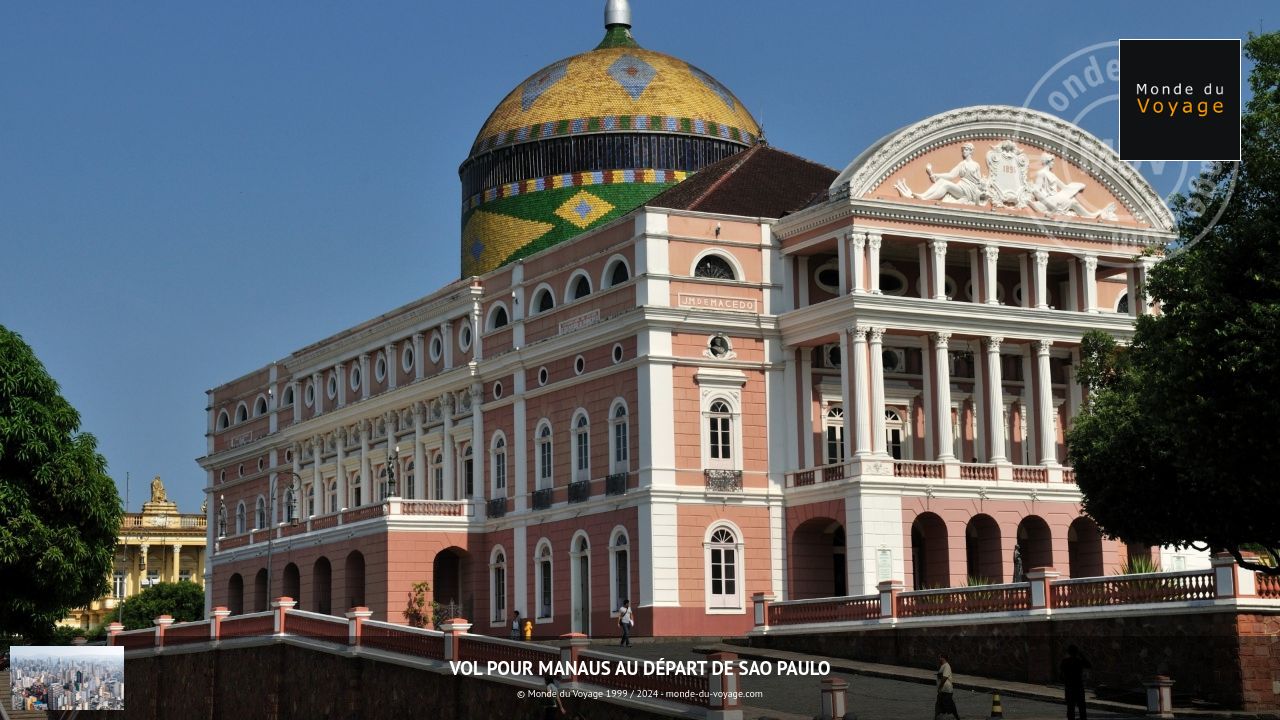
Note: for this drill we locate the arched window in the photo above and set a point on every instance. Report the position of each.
(543, 580)
(544, 456)
(895, 431)
(242, 413)
(437, 476)
(468, 473)
(579, 287)
(241, 520)
(617, 273)
(333, 496)
(260, 515)
(581, 448)
(620, 452)
(1122, 305)
(224, 420)
(543, 301)
(498, 584)
(498, 317)
(720, 434)
(260, 407)
(288, 394)
(290, 497)
(311, 500)
(410, 481)
(714, 267)
(499, 464)
(723, 561)
(619, 570)
(834, 432)
(381, 487)
(357, 490)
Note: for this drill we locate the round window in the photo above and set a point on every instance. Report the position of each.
(464, 338)
(617, 353)
(579, 365)
(437, 348)
(309, 395)
(497, 390)
(542, 376)
(333, 386)
(355, 378)
(827, 276)
(406, 358)
(833, 356)
(892, 282)
(380, 368)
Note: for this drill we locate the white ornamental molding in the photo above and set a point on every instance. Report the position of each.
(1011, 125)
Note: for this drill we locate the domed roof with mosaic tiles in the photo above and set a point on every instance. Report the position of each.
(588, 139)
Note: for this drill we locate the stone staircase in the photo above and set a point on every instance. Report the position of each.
(6, 710)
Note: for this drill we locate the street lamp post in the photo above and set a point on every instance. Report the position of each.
(272, 525)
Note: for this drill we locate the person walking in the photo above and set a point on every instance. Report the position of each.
(946, 702)
(626, 619)
(1073, 670)
(515, 625)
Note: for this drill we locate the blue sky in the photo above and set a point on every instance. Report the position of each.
(189, 191)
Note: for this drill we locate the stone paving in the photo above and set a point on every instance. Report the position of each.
(870, 698)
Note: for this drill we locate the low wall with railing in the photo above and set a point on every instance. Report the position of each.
(1213, 631)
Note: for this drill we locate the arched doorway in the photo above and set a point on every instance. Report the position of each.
(1084, 548)
(1035, 543)
(982, 550)
(260, 591)
(355, 579)
(235, 594)
(580, 564)
(447, 579)
(930, 565)
(292, 584)
(322, 586)
(818, 560)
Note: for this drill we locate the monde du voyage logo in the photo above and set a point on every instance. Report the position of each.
(1180, 100)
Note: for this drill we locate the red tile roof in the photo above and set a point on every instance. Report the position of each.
(757, 182)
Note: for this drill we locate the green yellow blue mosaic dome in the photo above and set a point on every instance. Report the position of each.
(588, 139)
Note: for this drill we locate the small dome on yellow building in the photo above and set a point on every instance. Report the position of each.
(587, 139)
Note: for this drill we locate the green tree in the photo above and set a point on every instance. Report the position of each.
(1178, 444)
(183, 601)
(59, 511)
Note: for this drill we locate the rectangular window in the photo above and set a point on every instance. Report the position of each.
(499, 593)
(500, 470)
(720, 438)
(544, 465)
(620, 444)
(468, 475)
(835, 444)
(544, 606)
(439, 482)
(117, 585)
(622, 577)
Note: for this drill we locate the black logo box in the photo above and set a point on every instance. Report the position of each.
(1155, 74)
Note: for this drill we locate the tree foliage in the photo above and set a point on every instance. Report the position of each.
(1179, 441)
(59, 511)
(183, 601)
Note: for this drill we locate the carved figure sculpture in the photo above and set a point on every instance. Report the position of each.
(964, 184)
(157, 491)
(1056, 197)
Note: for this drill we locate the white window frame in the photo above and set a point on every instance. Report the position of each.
(260, 513)
(544, 554)
(119, 585)
(544, 458)
(734, 418)
(580, 431)
(491, 317)
(242, 518)
(498, 465)
(355, 491)
(224, 420)
(606, 277)
(619, 437)
(498, 576)
(437, 473)
(435, 346)
(833, 432)
(724, 603)
(332, 495)
(615, 548)
(573, 280)
(738, 274)
(533, 299)
(242, 413)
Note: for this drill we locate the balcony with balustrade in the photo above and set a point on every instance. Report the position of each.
(931, 471)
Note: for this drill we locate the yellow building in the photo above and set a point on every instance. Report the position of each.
(156, 545)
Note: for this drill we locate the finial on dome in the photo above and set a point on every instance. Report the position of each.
(617, 12)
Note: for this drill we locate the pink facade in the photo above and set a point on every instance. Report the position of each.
(684, 407)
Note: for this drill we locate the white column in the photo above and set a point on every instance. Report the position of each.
(804, 418)
(1131, 282)
(990, 255)
(942, 424)
(978, 402)
(995, 400)
(1144, 299)
(857, 248)
(419, 454)
(1027, 409)
(418, 365)
(322, 496)
(1042, 279)
(873, 261)
(1075, 395)
(1089, 265)
(848, 401)
(1024, 278)
(366, 474)
(446, 337)
(1044, 402)
(177, 555)
(393, 365)
(297, 401)
(340, 376)
(340, 442)
(861, 382)
(939, 248)
(446, 446)
(975, 274)
(477, 344)
(365, 378)
(877, 391)
(317, 391)
(1073, 286)
(929, 400)
(923, 256)
(478, 445)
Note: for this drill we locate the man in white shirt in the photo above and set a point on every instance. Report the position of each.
(625, 621)
(946, 702)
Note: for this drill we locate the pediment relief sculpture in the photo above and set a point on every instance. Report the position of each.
(1006, 185)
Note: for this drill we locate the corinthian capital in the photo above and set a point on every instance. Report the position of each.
(876, 334)
(993, 343)
(939, 247)
(1042, 257)
(1042, 346)
(941, 339)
